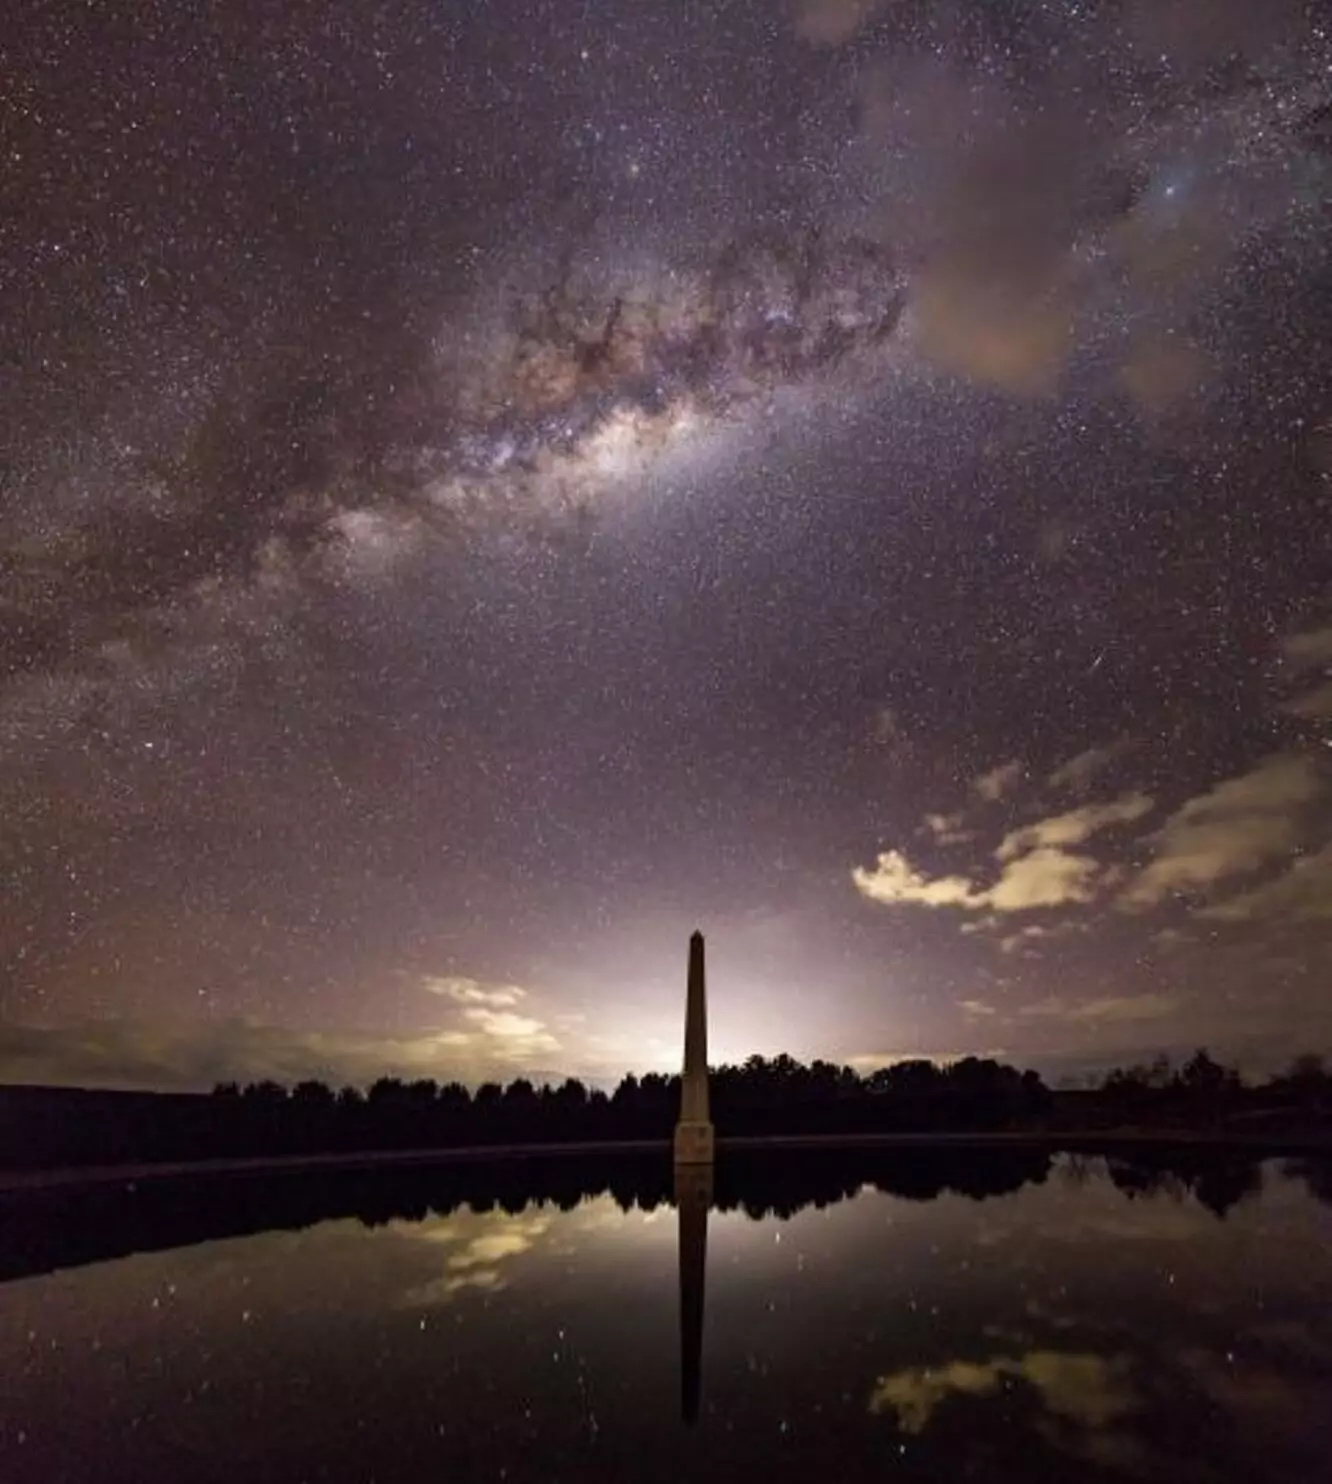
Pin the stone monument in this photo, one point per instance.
(693, 1133)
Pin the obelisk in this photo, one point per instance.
(693, 1133)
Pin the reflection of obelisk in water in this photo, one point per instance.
(693, 1133)
(693, 1196)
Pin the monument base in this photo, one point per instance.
(693, 1143)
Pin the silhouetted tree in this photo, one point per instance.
(313, 1095)
(1206, 1078)
(265, 1093)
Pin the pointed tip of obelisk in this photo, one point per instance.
(696, 936)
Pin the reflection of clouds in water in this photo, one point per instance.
(1292, 1337)
(1086, 1398)
(485, 1243)
(1163, 1222)
(1092, 1390)
(1261, 1395)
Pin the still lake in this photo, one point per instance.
(896, 1317)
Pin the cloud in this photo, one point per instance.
(1013, 334)
(1304, 655)
(1163, 372)
(948, 829)
(1076, 826)
(1036, 932)
(1114, 1009)
(976, 1009)
(1079, 772)
(894, 879)
(833, 22)
(1237, 827)
(188, 1056)
(1037, 869)
(998, 782)
(1047, 877)
(1092, 1390)
(1314, 704)
(1301, 894)
(465, 991)
(871, 1061)
(1311, 650)
(515, 1038)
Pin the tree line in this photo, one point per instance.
(1202, 1080)
(777, 1095)
(760, 1097)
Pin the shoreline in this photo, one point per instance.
(17, 1183)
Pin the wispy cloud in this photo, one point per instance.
(1234, 829)
(465, 991)
(1035, 932)
(1308, 662)
(1109, 1009)
(478, 1043)
(1081, 771)
(948, 829)
(1301, 894)
(999, 782)
(1075, 826)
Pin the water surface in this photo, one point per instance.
(1088, 1322)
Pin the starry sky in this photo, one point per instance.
(486, 488)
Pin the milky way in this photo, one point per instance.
(587, 389)
(484, 492)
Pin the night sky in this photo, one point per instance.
(486, 488)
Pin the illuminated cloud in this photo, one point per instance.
(192, 1056)
(1039, 932)
(1234, 829)
(1111, 1009)
(1306, 655)
(1046, 877)
(1091, 1390)
(999, 782)
(948, 829)
(513, 1038)
(1314, 705)
(1301, 894)
(1076, 826)
(894, 879)
(976, 1009)
(871, 1061)
(464, 991)
(1015, 336)
(1311, 650)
